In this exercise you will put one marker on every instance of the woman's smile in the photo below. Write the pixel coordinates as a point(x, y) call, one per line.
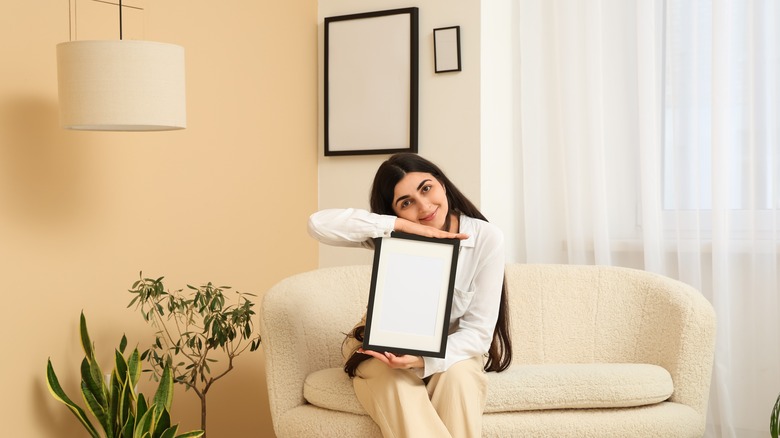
point(430, 217)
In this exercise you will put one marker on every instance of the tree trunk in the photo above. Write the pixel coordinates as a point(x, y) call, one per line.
point(203, 415)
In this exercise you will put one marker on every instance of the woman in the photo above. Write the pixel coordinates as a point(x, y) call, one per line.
point(408, 395)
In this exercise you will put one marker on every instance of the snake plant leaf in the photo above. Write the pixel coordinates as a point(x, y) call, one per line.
point(164, 394)
point(128, 398)
point(86, 343)
point(774, 420)
point(115, 403)
point(169, 432)
point(123, 344)
point(162, 421)
point(120, 366)
point(56, 390)
point(93, 388)
point(99, 411)
point(140, 408)
point(134, 367)
point(143, 424)
point(193, 434)
point(92, 377)
point(128, 428)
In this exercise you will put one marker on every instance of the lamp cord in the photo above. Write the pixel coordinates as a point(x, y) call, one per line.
point(71, 17)
point(120, 19)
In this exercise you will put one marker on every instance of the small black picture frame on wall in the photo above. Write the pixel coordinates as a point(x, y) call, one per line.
point(446, 49)
point(370, 87)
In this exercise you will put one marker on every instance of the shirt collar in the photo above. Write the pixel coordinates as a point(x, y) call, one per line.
point(467, 226)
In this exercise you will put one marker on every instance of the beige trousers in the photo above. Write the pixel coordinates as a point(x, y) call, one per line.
point(450, 404)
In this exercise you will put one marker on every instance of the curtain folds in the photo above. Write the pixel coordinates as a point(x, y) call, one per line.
point(650, 138)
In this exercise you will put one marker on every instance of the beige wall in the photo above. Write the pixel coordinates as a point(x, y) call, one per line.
point(81, 213)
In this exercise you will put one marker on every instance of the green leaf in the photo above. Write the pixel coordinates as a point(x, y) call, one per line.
point(162, 421)
point(255, 344)
point(141, 407)
point(193, 434)
point(92, 376)
point(123, 344)
point(128, 427)
point(134, 367)
point(100, 411)
point(164, 395)
point(115, 392)
point(120, 366)
point(126, 399)
point(169, 432)
point(86, 343)
point(774, 420)
point(143, 424)
point(57, 392)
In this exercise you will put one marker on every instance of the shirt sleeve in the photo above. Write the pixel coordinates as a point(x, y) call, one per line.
point(350, 227)
point(474, 330)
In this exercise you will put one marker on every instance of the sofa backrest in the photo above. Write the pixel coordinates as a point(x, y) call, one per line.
point(585, 314)
point(559, 313)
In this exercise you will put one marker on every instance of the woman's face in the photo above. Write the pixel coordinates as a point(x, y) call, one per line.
point(420, 197)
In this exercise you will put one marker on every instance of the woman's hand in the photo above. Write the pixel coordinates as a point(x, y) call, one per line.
point(409, 227)
point(404, 362)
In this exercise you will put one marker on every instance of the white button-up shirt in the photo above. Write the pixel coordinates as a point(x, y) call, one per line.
point(478, 279)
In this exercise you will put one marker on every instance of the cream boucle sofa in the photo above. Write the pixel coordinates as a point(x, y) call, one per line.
point(598, 352)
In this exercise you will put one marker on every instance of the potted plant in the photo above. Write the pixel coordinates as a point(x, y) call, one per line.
point(119, 411)
point(774, 419)
point(193, 328)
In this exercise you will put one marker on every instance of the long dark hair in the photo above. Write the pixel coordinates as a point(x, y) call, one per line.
point(387, 176)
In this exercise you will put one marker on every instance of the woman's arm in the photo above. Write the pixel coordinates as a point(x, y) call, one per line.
point(349, 227)
point(409, 227)
point(355, 227)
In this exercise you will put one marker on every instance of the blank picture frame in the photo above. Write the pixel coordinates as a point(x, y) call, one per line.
point(446, 49)
point(371, 63)
point(409, 304)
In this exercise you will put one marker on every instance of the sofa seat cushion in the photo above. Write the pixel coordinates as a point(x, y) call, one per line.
point(528, 387)
point(577, 386)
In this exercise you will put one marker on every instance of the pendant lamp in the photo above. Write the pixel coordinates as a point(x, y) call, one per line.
point(121, 85)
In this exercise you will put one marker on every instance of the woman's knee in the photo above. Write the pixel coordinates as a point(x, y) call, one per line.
point(463, 377)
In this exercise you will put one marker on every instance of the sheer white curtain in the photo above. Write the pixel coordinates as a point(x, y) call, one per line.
point(650, 138)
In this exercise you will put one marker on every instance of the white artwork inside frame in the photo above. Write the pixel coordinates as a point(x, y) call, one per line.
point(415, 296)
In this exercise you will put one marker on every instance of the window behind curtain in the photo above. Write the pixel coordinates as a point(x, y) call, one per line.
point(720, 106)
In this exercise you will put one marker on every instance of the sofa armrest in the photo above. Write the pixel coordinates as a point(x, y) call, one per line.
point(283, 343)
point(680, 333)
point(303, 319)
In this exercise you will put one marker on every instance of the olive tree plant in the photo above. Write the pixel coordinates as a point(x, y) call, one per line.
point(195, 329)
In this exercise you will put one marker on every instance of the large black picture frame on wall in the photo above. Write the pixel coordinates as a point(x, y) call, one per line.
point(371, 63)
